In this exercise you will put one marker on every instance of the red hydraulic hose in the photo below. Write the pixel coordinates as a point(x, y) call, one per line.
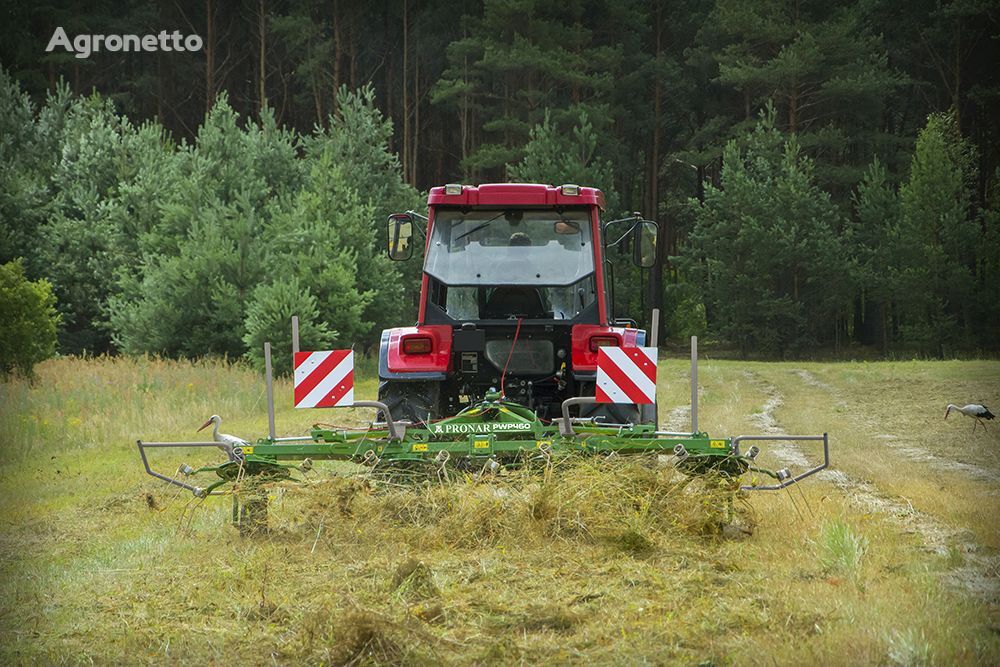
point(503, 376)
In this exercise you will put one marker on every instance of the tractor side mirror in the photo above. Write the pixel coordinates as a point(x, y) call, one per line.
point(400, 232)
point(644, 244)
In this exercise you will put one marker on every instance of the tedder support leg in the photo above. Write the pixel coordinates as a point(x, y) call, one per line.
point(565, 425)
point(397, 430)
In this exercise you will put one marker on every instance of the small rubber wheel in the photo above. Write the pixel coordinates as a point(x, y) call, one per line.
point(253, 515)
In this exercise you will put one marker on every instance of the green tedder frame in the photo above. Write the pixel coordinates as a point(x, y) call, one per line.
point(488, 435)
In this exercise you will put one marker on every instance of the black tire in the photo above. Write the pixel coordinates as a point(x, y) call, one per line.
point(611, 413)
point(410, 401)
point(648, 414)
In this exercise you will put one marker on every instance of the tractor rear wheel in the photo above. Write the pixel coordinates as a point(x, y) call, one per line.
point(410, 401)
point(648, 414)
point(617, 413)
point(611, 413)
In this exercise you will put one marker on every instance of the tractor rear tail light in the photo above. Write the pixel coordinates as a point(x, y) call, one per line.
point(420, 345)
point(601, 341)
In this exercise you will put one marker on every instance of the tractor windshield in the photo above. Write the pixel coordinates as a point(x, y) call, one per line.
point(510, 247)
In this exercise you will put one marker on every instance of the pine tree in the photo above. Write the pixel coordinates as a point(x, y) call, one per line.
point(821, 64)
point(873, 239)
point(202, 246)
point(268, 316)
point(939, 239)
point(86, 240)
point(765, 248)
point(520, 59)
point(554, 156)
point(985, 305)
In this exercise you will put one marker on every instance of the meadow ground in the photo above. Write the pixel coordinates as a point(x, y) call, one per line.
point(892, 558)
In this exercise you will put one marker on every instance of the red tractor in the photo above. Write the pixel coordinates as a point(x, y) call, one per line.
point(515, 296)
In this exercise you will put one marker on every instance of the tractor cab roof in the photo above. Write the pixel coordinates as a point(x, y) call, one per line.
point(515, 194)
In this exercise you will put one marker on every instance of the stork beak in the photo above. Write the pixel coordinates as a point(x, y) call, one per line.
point(205, 425)
point(946, 413)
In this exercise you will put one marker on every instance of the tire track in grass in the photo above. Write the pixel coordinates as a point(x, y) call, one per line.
point(912, 452)
point(903, 447)
point(980, 575)
point(785, 450)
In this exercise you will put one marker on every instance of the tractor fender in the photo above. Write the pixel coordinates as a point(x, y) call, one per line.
point(585, 359)
point(394, 365)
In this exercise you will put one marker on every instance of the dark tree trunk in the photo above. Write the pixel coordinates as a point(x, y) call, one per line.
point(338, 54)
point(405, 157)
point(209, 55)
point(262, 63)
point(653, 191)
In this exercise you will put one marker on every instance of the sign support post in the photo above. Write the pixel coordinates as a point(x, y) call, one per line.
point(270, 390)
point(694, 384)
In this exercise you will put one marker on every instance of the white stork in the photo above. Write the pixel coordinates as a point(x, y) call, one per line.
point(974, 410)
point(227, 441)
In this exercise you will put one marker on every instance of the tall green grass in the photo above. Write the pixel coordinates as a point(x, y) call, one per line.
point(841, 549)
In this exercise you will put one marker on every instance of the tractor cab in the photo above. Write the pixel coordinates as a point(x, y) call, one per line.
point(535, 264)
point(514, 297)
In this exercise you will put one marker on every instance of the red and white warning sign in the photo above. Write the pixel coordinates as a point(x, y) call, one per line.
point(324, 379)
point(626, 375)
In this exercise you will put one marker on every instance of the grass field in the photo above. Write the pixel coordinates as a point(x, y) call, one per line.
point(890, 559)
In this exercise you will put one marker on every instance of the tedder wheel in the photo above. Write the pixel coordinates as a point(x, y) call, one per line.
point(252, 516)
point(410, 401)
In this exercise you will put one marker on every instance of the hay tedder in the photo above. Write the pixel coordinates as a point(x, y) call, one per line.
point(483, 437)
point(502, 366)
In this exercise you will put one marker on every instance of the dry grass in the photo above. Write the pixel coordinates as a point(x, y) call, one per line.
point(606, 562)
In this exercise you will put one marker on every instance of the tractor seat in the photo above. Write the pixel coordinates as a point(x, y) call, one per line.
point(504, 302)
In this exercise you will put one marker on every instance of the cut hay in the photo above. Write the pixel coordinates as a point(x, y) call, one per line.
point(630, 504)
